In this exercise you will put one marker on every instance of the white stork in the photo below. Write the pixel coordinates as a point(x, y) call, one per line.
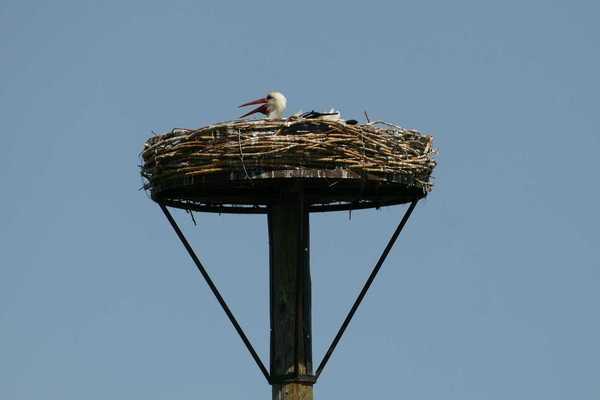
point(272, 106)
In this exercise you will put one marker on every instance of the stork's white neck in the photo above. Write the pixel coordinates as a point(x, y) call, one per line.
point(277, 104)
point(275, 114)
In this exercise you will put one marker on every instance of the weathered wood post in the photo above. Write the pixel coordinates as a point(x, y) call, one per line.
point(290, 298)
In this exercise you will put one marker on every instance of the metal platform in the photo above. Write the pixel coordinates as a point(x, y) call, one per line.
point(249, 192)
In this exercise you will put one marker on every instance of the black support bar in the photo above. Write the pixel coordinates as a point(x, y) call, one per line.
point(215, 291)
point(365, 288)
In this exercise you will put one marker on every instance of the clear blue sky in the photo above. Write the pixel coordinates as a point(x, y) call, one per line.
point(491, 293)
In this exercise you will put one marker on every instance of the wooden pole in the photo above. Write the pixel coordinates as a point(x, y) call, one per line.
point(290, 298)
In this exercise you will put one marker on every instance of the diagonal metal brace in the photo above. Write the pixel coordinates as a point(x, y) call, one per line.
point(215, 291)
point(365, 288)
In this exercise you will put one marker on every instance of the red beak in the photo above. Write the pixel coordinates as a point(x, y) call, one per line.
point(261, 109)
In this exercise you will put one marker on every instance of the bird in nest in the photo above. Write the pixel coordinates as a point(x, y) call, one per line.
point(273, 105)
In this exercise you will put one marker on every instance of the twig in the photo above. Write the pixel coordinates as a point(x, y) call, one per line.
point(242, 154)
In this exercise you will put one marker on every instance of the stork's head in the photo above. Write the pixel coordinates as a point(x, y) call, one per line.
point(272, 105)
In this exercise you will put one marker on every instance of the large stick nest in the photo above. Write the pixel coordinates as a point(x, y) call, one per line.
point(375, 150)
